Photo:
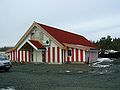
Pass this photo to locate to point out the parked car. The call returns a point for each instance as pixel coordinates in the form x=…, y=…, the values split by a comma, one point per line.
x=5, y=63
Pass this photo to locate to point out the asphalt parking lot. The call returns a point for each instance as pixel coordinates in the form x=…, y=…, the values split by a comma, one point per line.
x=60, y=77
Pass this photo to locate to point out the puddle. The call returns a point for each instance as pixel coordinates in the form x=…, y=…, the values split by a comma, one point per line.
x=67, y=71
x=8, y=88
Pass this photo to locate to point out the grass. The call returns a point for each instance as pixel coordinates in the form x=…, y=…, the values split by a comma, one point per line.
x=60, y=77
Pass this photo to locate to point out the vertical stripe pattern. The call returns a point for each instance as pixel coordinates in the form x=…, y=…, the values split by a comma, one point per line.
x=20, y=56
x=51, y=55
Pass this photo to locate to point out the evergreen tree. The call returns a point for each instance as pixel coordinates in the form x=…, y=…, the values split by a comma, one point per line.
x=108, y=43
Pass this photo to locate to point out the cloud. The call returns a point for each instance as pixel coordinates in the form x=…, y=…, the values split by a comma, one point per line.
x=109, y=25
x=99, y=24
x=91, y=18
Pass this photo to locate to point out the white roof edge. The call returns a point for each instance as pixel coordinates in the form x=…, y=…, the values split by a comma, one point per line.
x=32, y=45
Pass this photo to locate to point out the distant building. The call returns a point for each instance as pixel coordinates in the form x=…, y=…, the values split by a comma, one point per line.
x=46, y=44
x=2, y=52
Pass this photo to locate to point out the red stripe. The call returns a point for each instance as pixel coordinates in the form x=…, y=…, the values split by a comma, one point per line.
x=10, y=55
x=68, y=59
x=58, y=54
x=53, y=54
x=14, y=55
x=72, y=54
x=22, y=55
x=81, y=55
x=76, y=55
x=29, y=56
x=48, y=54
x=45, y=56
x=18, y=56
x=25, y=56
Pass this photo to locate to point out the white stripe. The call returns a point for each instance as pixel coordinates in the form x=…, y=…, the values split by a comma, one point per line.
x=51, y=58
x=74, y=55
x=24, y=56
x=20, y=56
x=60, y=56
x=78, y=55
x=56, y=54
x=70, y=58
x=27, y=56
x=15, y=55
x=83, y=56
x=10, y=55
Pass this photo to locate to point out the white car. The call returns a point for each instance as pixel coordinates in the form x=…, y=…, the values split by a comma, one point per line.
x=5, y=64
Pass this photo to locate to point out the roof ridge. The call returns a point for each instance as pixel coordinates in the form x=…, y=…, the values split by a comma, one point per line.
x=63, y=36
x=59, y=29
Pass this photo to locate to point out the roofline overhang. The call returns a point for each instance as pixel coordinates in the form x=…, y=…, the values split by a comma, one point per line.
x=82, y=47
x=29, y=31
x=24, y=36
x=32, y=45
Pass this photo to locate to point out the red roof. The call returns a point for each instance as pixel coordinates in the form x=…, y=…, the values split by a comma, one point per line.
x=67, y=37
x=37, y=44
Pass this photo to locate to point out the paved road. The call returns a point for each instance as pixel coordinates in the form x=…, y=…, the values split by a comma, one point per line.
x=60, y=77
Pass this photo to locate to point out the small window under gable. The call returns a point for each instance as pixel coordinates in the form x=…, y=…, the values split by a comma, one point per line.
x=32, y=35
x=69, y=52
x=33, y=32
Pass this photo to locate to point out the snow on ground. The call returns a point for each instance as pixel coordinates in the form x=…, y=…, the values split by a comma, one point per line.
x=99, y=62
x=104, y=59
x=8, y=88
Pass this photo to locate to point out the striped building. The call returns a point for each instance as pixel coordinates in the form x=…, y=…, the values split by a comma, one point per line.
x=45, y=44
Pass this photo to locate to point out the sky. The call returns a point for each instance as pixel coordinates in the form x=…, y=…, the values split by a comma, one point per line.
x=91, y=18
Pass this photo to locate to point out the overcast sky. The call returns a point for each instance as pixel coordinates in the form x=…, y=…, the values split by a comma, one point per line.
x=91, y=18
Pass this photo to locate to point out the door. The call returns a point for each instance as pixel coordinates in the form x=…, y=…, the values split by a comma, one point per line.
x=43, y=56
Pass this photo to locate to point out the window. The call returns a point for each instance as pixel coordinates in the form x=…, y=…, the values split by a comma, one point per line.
x=69, y=52
x=32, y=35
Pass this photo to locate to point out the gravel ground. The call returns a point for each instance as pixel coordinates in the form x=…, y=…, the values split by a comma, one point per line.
x=61, y=77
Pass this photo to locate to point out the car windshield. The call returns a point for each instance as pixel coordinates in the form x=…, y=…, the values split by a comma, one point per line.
x=2, y=58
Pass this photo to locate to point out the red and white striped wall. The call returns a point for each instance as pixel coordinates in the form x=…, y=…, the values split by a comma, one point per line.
x=53, y=55
x=57, y=55
x=77, y=56
x=20, y=56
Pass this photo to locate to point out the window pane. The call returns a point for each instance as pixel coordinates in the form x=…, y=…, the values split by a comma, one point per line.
x=69, y=52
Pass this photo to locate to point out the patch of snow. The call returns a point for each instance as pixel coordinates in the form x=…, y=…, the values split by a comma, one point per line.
x=67, y=71
x=99, y=61
x=100, y=66
x=80, y=71
x=8, y=88
x=104, y=59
